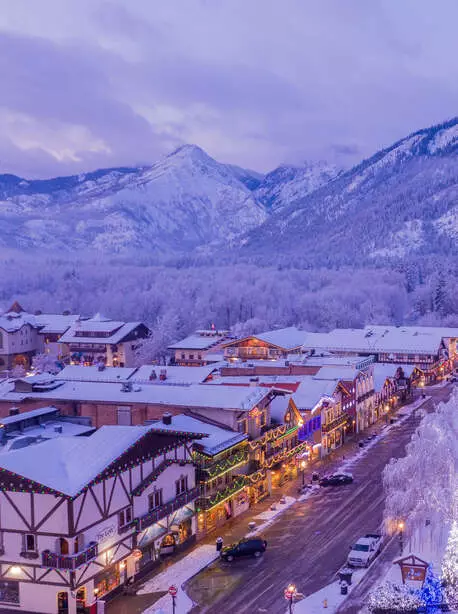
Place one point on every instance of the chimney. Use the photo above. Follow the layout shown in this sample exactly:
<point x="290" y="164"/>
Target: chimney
<point x="58" y="429"/>
<point x="14" y="411"/>
<point x="167" y="418"/>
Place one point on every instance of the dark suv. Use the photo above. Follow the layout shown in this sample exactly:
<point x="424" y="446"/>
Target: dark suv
<point x="246" y="547"/>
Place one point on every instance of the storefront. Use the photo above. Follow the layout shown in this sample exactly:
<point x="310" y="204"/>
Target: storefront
<point x="107" y="580"/>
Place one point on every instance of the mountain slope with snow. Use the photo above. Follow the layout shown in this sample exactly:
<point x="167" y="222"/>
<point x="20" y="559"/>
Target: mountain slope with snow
<point x="184" y="201"/>
<point x="400" y="201"/>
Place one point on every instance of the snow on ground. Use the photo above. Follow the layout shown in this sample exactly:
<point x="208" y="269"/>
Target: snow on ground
<point x="177" y="574"/>
<point x="314" y="603"/>
<point x="182" y="571"/>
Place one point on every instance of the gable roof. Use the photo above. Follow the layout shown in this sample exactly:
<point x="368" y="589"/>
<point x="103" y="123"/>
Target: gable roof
<point x="57" y="463"/>
<point x="289" y="338"/>
<point x="117" y="331"/>
<point x="311" y="391"/>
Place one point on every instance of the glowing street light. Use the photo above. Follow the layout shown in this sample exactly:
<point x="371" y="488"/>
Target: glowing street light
<point x="401" y="526"/>
<point x="290" y="593"/>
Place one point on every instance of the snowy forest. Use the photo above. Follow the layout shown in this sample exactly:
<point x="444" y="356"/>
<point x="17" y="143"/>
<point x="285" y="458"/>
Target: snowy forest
<point x="174" y="300"/>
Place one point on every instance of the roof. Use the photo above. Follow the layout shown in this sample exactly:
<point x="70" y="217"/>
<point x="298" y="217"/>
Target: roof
<point x="174" y="374"/>
<point x="12" y="321"/>
<point x="378" y="339"/>
<point x="337" y="373"/>
<point x="78" y="373"/>
<point x="196" y="342"/>
<point x="278" y="407"/>
<point x="56" y="463"/>
<point x="311" y="391"/>
<point x="118" y="331"/>
<point x="197" y="395"/>
<point x="55" y="323"/>
<point x="285" y="338"/>
<point x="383" y="371"/>
<point x="217" y="440"/>
<point x="33" y="413"/>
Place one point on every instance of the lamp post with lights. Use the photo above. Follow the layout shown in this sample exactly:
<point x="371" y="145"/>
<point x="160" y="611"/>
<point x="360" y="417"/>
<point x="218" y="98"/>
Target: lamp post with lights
<point x="401" y="526"/>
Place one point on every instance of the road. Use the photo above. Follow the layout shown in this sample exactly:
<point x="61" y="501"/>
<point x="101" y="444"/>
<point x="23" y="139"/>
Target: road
<point x="310" y="541"/>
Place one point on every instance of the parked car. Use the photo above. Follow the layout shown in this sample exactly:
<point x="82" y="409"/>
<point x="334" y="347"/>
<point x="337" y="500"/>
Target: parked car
<point x="336" y="479"/>
<point x="365" y="550"/>
<point x="246" y="547"/>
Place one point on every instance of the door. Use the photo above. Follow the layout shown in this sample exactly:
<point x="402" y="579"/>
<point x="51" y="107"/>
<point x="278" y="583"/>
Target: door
<point x="62" y="602"/>
<point x="124" y="416"/>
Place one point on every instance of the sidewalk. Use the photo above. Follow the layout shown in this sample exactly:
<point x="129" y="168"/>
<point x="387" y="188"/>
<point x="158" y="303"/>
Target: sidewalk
<point x="151" y="590"/>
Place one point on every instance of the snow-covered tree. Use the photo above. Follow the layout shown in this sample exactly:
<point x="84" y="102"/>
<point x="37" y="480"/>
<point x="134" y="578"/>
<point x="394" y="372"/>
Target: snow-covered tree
<point x="389" y="597"/>
<point x="45" y="363"/>
<point x="422" y="485"/>
<point x="450" y="567"/>
<point x="154" y="347"/>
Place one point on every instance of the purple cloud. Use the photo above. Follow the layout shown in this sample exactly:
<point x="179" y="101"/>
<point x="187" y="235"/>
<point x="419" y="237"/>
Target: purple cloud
<point x="117" y="83"/>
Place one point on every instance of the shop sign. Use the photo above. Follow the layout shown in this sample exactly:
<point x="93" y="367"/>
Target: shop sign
<point x="413" y="569"/>
<point x="106" y="533"/>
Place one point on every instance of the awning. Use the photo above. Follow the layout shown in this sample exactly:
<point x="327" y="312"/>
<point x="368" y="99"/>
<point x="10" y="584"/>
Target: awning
<point x="150" y="534"/>
<point x="182" y="514"/>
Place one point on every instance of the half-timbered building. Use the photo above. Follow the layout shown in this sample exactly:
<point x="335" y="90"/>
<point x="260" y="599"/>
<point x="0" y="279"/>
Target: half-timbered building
<point x="80" y="516"/>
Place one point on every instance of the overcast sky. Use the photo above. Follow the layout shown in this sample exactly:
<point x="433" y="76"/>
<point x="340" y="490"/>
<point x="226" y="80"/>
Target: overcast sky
<point x="92" y="83"/>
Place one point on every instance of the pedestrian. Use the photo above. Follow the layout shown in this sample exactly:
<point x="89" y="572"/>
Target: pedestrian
<point x="219" y="544"/>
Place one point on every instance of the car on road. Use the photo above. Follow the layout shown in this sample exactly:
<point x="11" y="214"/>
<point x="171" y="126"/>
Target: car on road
<point x="246" y="547"/>
<point x="365" y="550"/>
<point x="336" y="479"/>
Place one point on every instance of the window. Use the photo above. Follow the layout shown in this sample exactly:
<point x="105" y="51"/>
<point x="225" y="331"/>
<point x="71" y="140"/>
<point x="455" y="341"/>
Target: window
<point x="155" y="499"/>
<point x="242" y="426"/>
<point x="191" y="356"/>
<point x="199" y="356"/>
<point x="30" y="543"/>
<point x="181" y="485"/>
<point x="9" y="591"/>
<point x="125" y="516"/>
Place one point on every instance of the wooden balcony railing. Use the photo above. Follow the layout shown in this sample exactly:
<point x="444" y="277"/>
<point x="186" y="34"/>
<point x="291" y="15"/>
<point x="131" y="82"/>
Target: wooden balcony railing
<point x="168" y="508"/>
<point x="334" y="424"/>
<point x="69" y="561"/>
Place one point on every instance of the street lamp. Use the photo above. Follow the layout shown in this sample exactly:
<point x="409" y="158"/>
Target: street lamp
<point x="96" y="595"/>
<point x="401" y="534"/>
<point x="290" y="593"/>
<point x="303" y="466"/>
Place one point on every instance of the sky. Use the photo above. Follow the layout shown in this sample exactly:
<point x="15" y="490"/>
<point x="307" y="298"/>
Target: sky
<point x="86" y="84"/>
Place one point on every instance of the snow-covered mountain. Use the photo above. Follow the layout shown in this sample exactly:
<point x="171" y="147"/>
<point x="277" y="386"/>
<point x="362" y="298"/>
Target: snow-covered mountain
<point x="184" y="201"/>
<point x="284" y="185"/>
<point x="401" y="201"/>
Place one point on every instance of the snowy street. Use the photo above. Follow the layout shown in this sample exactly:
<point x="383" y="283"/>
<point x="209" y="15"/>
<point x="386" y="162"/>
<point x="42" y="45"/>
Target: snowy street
<point x="310" y="541"/>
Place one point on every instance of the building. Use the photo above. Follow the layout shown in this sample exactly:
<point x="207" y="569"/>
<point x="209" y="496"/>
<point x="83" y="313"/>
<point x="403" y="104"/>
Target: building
<point x="51" y="327"/>
<point x="319" y="403"/>
<point x="132" y="404"/>
<point x="222" y="462"/>
<point x="202" y="348"/>
<point x="431" y="349"/>
<point x="393" y="384"/>
<point x="82" y="515"/>
<point x="266" y="346"/>
<point x="18" y="340"/>
<point x="100" y="340"/>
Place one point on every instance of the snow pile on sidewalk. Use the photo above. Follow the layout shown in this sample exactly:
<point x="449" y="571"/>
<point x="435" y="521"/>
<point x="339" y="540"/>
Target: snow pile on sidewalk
<point x="177" y="574"/>
<point x="314" y="604"/>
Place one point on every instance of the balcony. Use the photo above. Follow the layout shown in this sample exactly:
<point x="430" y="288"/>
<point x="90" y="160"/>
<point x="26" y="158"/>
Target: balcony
<point x="214" y="469"/>
<point x="69" y="562"/>
<point x="168" y="508"/>
<point x="206" y="503"/>
<point x="335" y="424"/>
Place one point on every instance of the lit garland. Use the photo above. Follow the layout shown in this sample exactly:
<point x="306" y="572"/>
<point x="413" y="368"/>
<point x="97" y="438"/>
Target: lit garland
<point x="285" y="454"/>
<point x="227" y="463"/>
<point x="222" y="495"/>
<point x="268" y="436"/>
<point x="258" y="476"/>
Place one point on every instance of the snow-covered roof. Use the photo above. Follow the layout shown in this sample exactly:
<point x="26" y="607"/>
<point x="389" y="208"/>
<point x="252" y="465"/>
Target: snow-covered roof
<point x="247" y="380"/>
<point x="11" y="322"/>
<point x="78" y="373"/>
<point x="117" y="331"/>
<point x="196" y="342"/>
<point x="197" y="395"/>
<point x="217" y="440"/>
<point x="377" y="339"/>
<point x="278" y="407"/>
<point x="383" y="371"/>
<point x="311" y="391"/>
<point x="55" y="323"/>
<point x="33" y="413"/>
<point x="337" y="373"/>
<point x="288" y="338"/>
<point x="57" y="463"/>
<point x="174" y="374"/>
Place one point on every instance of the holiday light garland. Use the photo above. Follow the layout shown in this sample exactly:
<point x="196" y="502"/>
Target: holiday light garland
<point x="390" y="597"/>
<point x="222" y="495"/>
